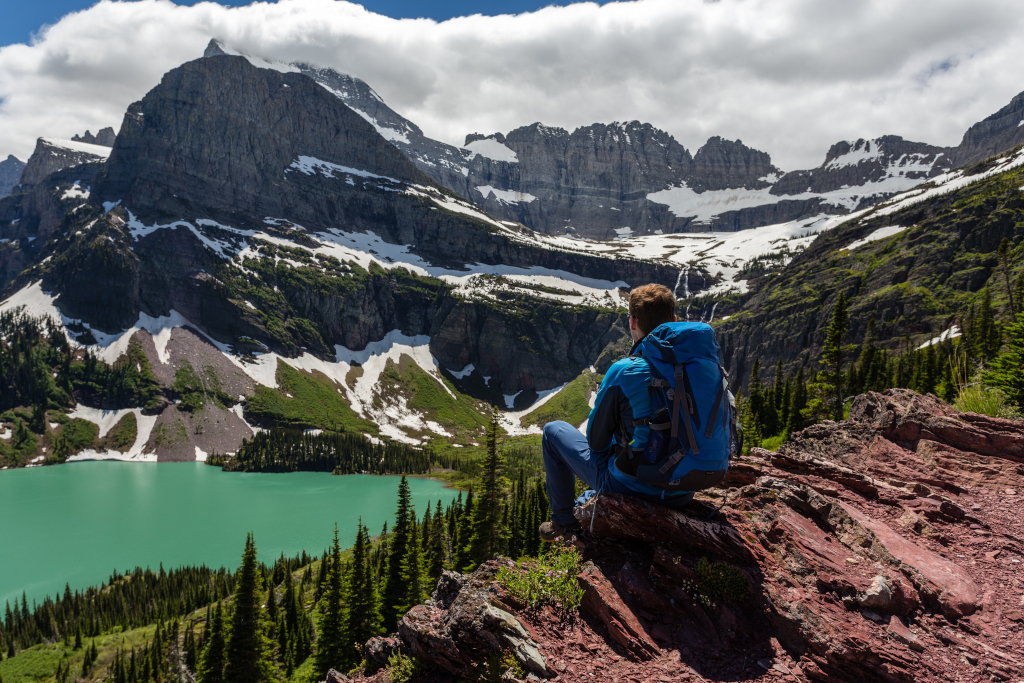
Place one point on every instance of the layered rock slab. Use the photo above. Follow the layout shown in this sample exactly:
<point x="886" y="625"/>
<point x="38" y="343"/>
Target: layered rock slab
<point x="841" y="584"/>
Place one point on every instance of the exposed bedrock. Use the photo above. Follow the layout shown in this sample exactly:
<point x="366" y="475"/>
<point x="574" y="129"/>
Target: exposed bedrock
<point x="845" y="556"/>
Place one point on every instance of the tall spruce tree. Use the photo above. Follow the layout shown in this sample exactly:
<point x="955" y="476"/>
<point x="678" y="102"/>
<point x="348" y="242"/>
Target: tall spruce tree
<point x="413" y="572"/>
<point x="826" y="392"/>
<point x="362" y="618"/>
<point x="488" y="530"/>
<point x="211" y="662"/>
<point x="330" y="645"/>
<point x="1007" y="369"/>
<point x="1005" y="247"/>
<point x="394" y="590"/>
<point x="464" y="527"/>
<point x="246" y="651"/>
<point x="438" y="543"/>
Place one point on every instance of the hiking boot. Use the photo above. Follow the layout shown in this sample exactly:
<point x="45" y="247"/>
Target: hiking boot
<point x="551" y="532"/>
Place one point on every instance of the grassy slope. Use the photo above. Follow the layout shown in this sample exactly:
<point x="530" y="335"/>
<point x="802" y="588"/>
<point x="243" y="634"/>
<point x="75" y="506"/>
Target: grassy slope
<point x="315" y="402"/>
<point x="571" y="404"/>
<point x="38" y="664"/>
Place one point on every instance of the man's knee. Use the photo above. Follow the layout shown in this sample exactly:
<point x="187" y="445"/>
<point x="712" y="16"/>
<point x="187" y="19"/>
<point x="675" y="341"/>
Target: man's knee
<point x="552" y="429"/>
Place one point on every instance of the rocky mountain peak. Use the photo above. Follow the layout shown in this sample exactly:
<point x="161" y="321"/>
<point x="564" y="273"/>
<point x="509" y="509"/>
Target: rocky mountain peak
<point x="105" y="137"/>
<point x="214" y="48"/>
<point x="722" y="164"/>
<point x="52" y="155"/>
<point x="10" y="174"/>
<point x="473" y="137"/>
<point x="999" y="132"/>
<point x="218" y="154"/>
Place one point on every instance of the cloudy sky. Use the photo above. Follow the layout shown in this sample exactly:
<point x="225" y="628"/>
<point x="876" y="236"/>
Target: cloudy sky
<point x="789" y="77"/>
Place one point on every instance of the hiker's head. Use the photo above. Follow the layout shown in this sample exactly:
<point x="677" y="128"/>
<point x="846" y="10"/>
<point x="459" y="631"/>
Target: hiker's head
<point x="650" y="306"/>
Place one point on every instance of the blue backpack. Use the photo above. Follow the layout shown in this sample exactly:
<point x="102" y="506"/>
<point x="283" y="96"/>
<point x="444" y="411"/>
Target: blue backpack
<point x="693" y="431"/>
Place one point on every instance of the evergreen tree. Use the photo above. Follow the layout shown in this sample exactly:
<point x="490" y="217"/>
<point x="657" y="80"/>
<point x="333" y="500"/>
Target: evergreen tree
<point x="773" y="399"/>
<point x="1007" y="369"/>
<point x="37" y="423"/>
<point x="437" y="543"/>
<point x="394" y="592"/>
<point x="749" y="423"/>
<point x="1005" y="247"/>
<point x="986" y="337"/>
<point x="413" y="573"/>
<point x="363" y="619"/>
<point x="797" y="403"/>
<point x="826" y="392"/>
<point x="211" y="662"/>
<point x="330" y="643"/>
<point x="488" y="531"/>
<point x="246" y="650"/>
<point x="463" y="553"/>
<point x="755" y="392"/>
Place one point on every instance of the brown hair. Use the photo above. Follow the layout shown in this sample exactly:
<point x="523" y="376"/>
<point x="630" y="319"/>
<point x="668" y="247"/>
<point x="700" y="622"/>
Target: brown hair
<point x="652" y="305"/>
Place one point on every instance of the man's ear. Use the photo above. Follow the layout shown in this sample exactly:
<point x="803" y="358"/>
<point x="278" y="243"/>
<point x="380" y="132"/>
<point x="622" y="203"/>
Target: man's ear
<point x="632" y="323"/>
<point x="675" y="318"/>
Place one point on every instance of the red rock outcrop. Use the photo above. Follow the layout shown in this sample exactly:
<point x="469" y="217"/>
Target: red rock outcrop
<point x="887" y="547"/>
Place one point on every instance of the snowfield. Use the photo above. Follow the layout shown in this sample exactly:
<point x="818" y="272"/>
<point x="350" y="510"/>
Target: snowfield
<point x="80" y="147"/>
<point x="492" y="149"/>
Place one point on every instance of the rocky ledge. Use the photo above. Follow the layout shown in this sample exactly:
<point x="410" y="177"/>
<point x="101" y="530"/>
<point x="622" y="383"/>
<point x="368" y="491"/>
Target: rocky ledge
<point x="887" y="547"/>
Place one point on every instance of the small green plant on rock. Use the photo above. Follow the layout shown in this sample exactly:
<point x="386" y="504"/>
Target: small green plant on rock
<point x="551" y="578"/>
<point x="720" y="581"/>
<point x="494" y="668"/>
<point x="401" y="669"/>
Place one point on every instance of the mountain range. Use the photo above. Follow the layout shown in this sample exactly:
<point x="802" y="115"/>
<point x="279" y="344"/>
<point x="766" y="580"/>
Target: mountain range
<point x="282" y="232"/>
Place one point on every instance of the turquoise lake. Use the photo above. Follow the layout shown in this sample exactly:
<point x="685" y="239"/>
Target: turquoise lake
<point x="78" y="522"/>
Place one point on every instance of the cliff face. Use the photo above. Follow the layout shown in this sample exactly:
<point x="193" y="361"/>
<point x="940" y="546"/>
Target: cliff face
<point x="10" y="174"/>
<point x="997" y="133"/>
<point x="52" y="155"/>
<point x="609" y="180"/>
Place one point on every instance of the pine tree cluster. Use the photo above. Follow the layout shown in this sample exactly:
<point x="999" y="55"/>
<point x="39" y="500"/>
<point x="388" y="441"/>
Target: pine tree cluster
<point x="792" y="402"/>
<point x="126" y="601"/>
<point x="292" y="450"/>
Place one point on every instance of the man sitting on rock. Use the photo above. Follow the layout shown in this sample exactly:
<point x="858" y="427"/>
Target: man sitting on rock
<point x="624" y="395"/>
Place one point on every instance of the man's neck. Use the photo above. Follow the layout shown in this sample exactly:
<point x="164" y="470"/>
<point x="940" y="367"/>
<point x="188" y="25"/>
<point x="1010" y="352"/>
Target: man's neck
<point x="632" y="350"/>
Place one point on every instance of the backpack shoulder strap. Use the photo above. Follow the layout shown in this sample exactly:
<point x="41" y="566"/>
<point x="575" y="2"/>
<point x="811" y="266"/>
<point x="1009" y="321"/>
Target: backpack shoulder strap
<point x="718" y="403"/>
<point x="681" y="400"/>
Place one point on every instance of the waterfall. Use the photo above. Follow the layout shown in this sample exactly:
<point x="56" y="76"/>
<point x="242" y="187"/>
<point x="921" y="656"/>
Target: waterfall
<point x="713" y="312"/>
<point x="685" y="282"/>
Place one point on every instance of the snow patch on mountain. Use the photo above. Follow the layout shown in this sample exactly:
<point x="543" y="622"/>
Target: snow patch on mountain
<point x="390" y="134"/>
<point x="311" y="165"/>
<point x="505" y="196"/>
<point x="106" y="419"/>
<point x="80" y="147"/>
<point x="952" y="333"/>
<point x="76" y="192"/>
<point x="860" y="151"/>
<point x="492" y="149"/>
<point x="880" y="234"/>
<point x="512" y="421"/>
<point x="222" y="248"/>
<point x="945" y="183"/>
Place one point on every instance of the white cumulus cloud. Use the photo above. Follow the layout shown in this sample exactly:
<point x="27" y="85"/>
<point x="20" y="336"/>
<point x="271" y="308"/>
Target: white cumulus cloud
<point x="789" y="77"/>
